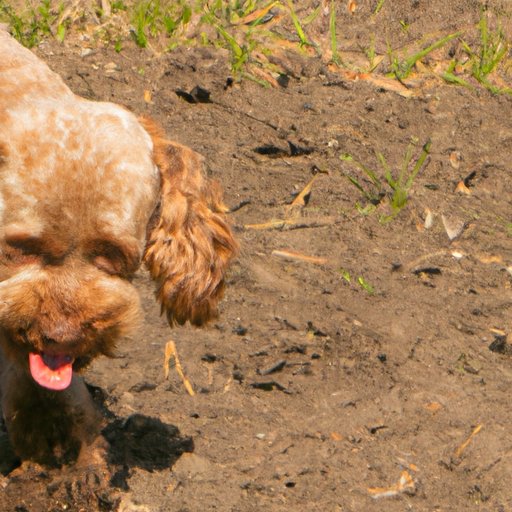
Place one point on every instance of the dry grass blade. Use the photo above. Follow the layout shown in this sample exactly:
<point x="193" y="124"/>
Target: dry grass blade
<point x="272" y="224"/>
<point x="460" y="450"/>
<point x="416" y="262"/>
<point x="299" y="223"/>
<point x="301" y="198"/>
<point x="106" y="8"/>
<point x="256" y="15"/>
<point x="292" y="255"/>
<point x="405" y="483"/>
<point x="381" y="82"/>
<point x="172" y="352"/>
<point x="264" y="75"/>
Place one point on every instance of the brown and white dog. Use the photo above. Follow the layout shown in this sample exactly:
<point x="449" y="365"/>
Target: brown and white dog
<point x="88" y="192"/>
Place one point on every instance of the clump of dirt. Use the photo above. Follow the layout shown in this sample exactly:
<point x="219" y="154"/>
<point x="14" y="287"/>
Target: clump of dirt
<point x="356" y="364"/>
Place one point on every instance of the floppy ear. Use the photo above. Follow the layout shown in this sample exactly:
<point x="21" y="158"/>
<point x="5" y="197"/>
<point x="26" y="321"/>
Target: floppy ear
<point x="189" y="242"/>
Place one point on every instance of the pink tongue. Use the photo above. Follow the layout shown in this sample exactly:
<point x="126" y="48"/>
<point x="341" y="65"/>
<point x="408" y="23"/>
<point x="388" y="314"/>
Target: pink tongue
<point x="52" y="372"/>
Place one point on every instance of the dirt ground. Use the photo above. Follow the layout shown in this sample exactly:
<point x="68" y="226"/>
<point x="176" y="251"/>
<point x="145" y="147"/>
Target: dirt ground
<point x="356" y="364"/>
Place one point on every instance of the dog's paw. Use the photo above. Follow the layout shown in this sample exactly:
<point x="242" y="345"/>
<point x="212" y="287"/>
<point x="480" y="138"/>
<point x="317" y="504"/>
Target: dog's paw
<point x="84" y="485"/>
<point x="81" y="488"/>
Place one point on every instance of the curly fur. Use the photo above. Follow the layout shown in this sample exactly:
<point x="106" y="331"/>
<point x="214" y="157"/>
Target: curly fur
<point x="87" y="193"/>
<point x="190" y="245"/>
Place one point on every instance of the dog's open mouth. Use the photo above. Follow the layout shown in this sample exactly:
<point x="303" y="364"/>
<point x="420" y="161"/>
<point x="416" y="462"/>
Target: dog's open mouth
<point x="51" y="371"/>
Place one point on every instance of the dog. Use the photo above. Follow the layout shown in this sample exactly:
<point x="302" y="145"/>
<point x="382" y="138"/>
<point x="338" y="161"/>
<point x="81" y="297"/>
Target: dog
<point x="88" y="193"/>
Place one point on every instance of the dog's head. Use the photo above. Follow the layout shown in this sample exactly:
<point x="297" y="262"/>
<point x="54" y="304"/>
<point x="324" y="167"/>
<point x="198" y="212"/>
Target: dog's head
<point x="88" y="193"/>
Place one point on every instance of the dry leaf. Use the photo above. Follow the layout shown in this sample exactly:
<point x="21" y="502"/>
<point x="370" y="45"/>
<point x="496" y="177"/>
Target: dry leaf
<point x="336" y="437"/>
<point x="110" y="67"/>
<point x="406" y="483"/>
<point x="433" y="407"/>
<point x="455" y="159"/>
<point x="453" y="227"/>
<point x="429" y="218"/>
<point x="462" y="189"/>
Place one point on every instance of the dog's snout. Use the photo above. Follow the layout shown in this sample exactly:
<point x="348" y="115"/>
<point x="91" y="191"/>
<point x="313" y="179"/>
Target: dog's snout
<point x="61" y="333"/>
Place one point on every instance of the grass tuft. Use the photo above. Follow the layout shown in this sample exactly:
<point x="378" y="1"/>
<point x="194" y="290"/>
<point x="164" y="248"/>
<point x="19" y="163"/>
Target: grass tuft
<point x="401" y="69"/>
<point x="388" y="185"/>
<point x="485" y="58"/>
<point x="260" y="35"/>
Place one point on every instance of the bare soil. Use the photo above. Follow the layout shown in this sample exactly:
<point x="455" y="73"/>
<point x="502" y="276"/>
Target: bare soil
<point x="313" y="392"/>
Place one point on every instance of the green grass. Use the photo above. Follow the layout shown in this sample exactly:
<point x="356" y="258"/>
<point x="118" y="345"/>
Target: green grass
<point x="361" y="281"/>
<point x="378" y="7"/>
<point x="332" y="32"/>
<point x="394" y="187"/>
<point x="486" y="56"/>
<point x="152" y="18"/>
<point x="297" y="24"/>
<point x="401" y="69"/>
<point x="259" y="35"/>
<point x="31" y="25"/>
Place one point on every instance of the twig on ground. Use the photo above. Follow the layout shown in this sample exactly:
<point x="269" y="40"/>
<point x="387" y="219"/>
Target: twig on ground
<point x="292" y="255"/>
<point x="460" y="450"/>
<point x="171" y="351"/>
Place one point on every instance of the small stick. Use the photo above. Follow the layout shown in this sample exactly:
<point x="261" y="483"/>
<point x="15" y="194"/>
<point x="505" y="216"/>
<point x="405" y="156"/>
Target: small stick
<point x="171" y="351"/>
<point x="284" y="253"/>
<point x="300" y="200"/>
<point x="460" y="450"/>
<point x="290" y="224"/>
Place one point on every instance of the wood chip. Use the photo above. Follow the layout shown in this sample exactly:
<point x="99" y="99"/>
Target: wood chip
<point x="433" y="407"/>
<point x="148" y="96"/>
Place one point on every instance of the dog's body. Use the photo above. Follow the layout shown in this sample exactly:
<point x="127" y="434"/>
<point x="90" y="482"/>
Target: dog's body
<point x="87" y="193"/>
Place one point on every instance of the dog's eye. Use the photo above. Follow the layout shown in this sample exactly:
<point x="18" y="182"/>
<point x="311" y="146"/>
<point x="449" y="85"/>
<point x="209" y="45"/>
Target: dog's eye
<point x="114" y="255"/>
<point x="113" y="258"/>
<point x="22" y="250"/>
<point x="26" y="245"/>
<point x="108" y="264"/>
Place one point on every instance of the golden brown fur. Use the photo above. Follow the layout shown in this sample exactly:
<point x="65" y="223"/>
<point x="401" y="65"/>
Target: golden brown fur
<point x="190" y="245"/>
<point x="87" y="193"/>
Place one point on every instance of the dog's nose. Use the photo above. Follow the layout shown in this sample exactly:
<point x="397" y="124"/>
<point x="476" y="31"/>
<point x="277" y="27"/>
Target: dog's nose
<point x="61" y="333"/>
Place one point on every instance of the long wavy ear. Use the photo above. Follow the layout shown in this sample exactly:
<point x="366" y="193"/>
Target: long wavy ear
<point x="189" y="242"/>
